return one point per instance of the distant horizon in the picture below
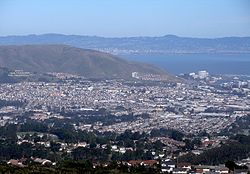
(115, 18)
(149, 36)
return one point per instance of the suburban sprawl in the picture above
(164, 126)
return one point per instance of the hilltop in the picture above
(67, 59)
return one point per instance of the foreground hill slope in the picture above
(67, 59)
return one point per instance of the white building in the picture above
(203, 74)
(135, 75)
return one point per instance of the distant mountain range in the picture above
(67, 59)
(169, 44)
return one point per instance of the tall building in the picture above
(239, 84)
(202, 74)
(135, 75)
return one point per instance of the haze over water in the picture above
(214, 63)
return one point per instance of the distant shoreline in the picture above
(237, 64)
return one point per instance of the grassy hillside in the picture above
(62, 58)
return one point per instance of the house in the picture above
(208, 143)
(42, 161)
(184, 165)
(197, 152)
(180, 171)
(166, 169)
(161, 155)
(142, 162)
(167, 166)
(149, 162)
(241, 171)
(122, 150)
(221, 169)
(15, 163)
(211, 169)
(134, 162)
(212, 172)
(200, 169)
(81, 144)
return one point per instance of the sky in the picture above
(126, 18)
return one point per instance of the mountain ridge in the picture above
(68, 59)
(78, 35)
(167, 44)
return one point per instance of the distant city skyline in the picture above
(114, 18)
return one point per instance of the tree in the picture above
(55, 147)
(231, 165)
(158, 145)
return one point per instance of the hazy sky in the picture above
(118, 18)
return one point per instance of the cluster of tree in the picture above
(33, 127)
(101, 115)
(241, 125)
(72, 136)
(243, 139)
(67, 133)
(234, 150)
(136, 141)
(162, 132)
(139, 144)
(64, 131)
(14, 151)
(232, 166)
(79, 167)
(8, 132)
(18, 104)
(190, 144)
(92, 153)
